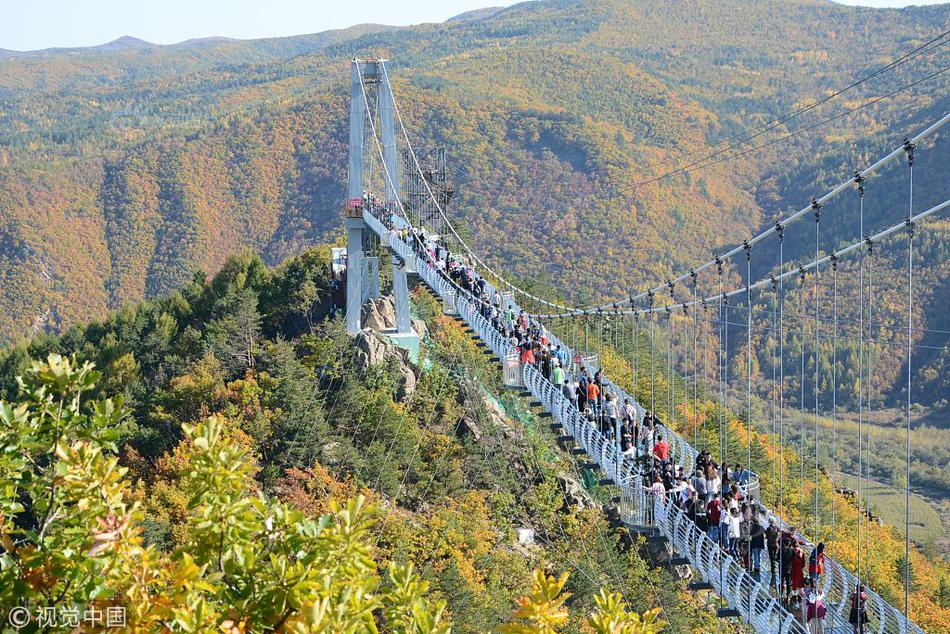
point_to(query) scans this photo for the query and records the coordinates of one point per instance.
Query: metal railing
(745, 593)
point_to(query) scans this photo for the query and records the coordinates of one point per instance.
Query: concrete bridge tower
(362, 281)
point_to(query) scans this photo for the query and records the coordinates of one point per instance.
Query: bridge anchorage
(512, 323)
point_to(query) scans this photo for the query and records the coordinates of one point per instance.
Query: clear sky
(33, 24)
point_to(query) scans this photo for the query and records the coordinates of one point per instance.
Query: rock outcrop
(574, 492)
(371, 350)
(380, 314)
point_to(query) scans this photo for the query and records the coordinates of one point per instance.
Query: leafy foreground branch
(72, 539)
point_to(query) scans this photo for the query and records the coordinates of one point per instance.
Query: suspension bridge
(431, 248)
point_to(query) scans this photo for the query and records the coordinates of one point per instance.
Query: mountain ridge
(122, 173)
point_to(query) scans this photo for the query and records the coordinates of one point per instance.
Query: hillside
(232, 465)
(224, 459)
(124, 171)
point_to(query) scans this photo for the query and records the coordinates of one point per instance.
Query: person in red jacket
(798, 569)
(714, 516)
(816, 563)
(662, 451)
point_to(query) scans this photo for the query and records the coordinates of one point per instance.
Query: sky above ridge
(36, 24)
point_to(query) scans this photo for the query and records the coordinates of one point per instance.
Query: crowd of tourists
(715, 497)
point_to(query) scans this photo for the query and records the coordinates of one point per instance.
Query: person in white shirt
(734, 522)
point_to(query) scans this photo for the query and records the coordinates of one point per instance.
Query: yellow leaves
(110, 528)
(231, 627)
(612, 617)
(543, 610)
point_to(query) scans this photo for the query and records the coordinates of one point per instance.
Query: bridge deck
(744, 593)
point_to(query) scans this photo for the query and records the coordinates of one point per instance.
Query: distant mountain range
(126, 167)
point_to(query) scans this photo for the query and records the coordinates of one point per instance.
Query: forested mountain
(236, 462)
(125, 169)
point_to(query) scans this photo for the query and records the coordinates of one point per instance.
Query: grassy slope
(927, 527)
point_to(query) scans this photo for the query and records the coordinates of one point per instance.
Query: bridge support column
(354, 274)
(401, 294)
(372, 277)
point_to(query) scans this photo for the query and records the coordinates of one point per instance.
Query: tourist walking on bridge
(772, 543)
(858, 617)
(661, 450)
(816, 562)
(757, 542)
(714, 516)
(557, 375)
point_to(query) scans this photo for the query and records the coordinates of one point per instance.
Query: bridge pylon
(362, 282)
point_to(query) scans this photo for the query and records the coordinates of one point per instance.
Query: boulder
(406, 384)
(380, 314)
(371, 349)
(498, 418)
(467, 427)
(574, 492)
(372, 319)
(420, 327)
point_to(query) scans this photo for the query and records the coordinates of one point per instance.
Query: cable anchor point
(817, 207)
(780, 230)
(748, 250)
(834, 260)
(909, 149)
(859, 179)
(719, 264)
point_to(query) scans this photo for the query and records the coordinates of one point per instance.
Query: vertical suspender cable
(861, 264)
(586, 335)
(719, 366)
(801, 380)
(652, 361)
(834, 387)
(671, 359)
(725, 391)
(748, 464)
(774, 394)
(748, 296)
(671, 391)
(636, 364)
(705, 370)
(781, 363)
(695, 365)
(603, 339)
(817, 207)
(909, 148)
(620, 338)
(867, 456)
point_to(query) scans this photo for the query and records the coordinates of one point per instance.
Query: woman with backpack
(859, 610)
(816, 562)
(814, 608)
